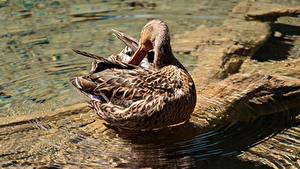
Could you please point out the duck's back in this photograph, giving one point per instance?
(124, 95)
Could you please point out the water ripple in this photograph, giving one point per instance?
(188, 145)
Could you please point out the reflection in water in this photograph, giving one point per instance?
(184, 146)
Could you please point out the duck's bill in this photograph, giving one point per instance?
(138, 56)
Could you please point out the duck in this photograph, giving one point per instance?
(131, 97)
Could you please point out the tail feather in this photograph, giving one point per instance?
(126, 39)
(90, 55)
(103, 63)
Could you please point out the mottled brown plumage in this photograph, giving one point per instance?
(131, 97)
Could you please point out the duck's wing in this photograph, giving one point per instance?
(124, 97)
(129, 41)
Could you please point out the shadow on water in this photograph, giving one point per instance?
(278, 47)
(184, 146)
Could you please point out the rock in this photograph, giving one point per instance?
(222, 51)
(260, 63)
(34, 40)
(139, 4)
(60, 113)
(264, 11)
(136, 4)
(215, 47)
(279, 151)
(90, 10)
(290, 67)
(245, 97)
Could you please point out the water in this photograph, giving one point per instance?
(63, 142)
(36, 61)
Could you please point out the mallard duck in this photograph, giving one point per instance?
(128, 96)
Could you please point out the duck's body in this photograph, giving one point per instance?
(130, 97)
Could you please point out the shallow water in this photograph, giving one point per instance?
(36, 60)
(71, 144)
(36, 38)
(36, 63)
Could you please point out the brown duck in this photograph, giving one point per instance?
(128, 96)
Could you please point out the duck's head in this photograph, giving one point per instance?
(155, 36)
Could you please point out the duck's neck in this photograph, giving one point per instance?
(163, 56)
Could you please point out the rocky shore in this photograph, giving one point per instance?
(247, 68)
